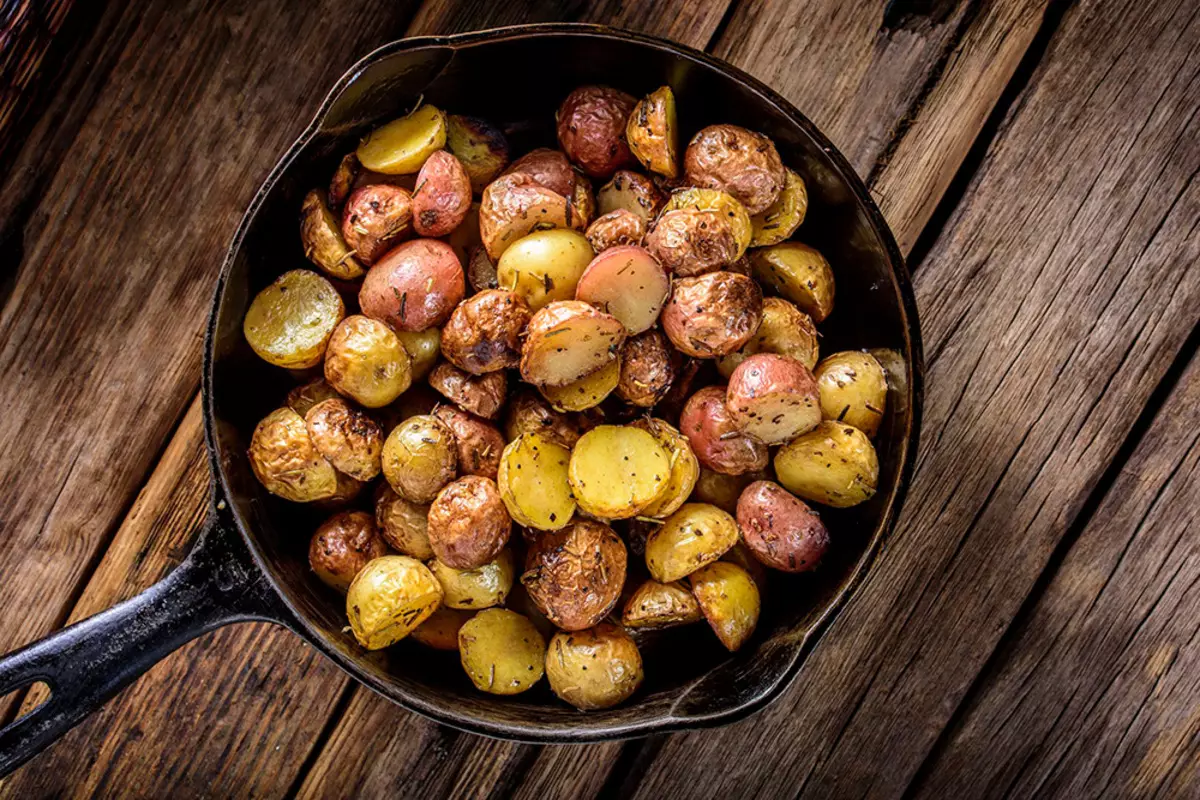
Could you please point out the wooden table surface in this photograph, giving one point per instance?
(1031, 628)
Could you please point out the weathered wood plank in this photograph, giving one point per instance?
(1056, 298)
(28, 31)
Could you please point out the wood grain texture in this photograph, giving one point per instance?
(28, 31)
(1097, 691)
(1056, 298)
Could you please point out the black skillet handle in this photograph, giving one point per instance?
(86, 664)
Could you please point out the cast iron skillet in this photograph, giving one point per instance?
(249, 562)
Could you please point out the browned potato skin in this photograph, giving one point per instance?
(712, 315)
(376, 219)
(479, 443)
(342, 182)
(529, 412)
(648, 366)
(481, 272)
(479, 145)
(402, 524)
(743, 163)
(342, 546)
(346, 437)
(716, 439)
(691, 241)
(515, 205)
(323, 242)
(484, 332)
(660, 605)
(420, 458)
(614, 229)
(633, 192)
(443, 195)
(440, 630)
(575, 575)
(287, 463)
(482, 395)
(367, 361)
(468, 523)
(415, 286)
(550, 168)
(591, 129)
(780, 529)
(651, 132)
(583, 202)
(307, 395)
(616, 667)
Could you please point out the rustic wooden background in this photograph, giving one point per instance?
(1031, 628)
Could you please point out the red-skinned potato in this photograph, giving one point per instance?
(780, 529)
(342, 546)
(479, 443)
(468, 523)
(591, 129)
(633, 192)
(375, 220)
(712, 315)
(567, 340)
(482, 395)
(616, 228)
(743, 163)
(415, 286)
(550, 168)
(715, 437)
(443, 195)
(515, 205)
(628, 283)
(692, 241)
(484, 332)
(773, 398)
(648, 366)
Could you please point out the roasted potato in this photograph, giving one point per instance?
(376, 219)
(743, 163)
(481, 272)
(660, 605)
(307, 395)
(533, 481)
(287, 463)
(685, 468)
(567, 340)
(689, 241)
(712, 315)
(443, 195)
(419, 458)
(415, 286)
(484, 332)
(479, 145)
(513, 206)
(616, 471)
(440, 629)
(482, 395)
(423, 348)
(419, 399)
(342, 182)
(773, 398)
(544, 266)
(346, 438)
(468, 523)
(550, 168)
(367, 362)
(781, 530)
(715, 437)
(502, 652)
(632, 192)
(615, 667)
(583, 203)
(465, 239)
(729, 599)
(289, 323)
(780, 221)
(652, 134)
(853, 388)
(528, 413)
(648, 366)
(575, 575)
(347, 491)
(482, 587)
(799, 274)
(342, 546)
(479, 444)
(835, 465)
(695, 535)
(614, 229)
(323, 241)
(401, 146)
(403, 524)
(389, 597)
(587, 392)
(785, 330)
(720, 202)
(721, 490)
(628, 283)
(591, 129)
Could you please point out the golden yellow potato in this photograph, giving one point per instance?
(482, 587)
(403, 524)
(685, 467)
(419, 458)
(587, 392)
(568, 340)
(322, 238)
(286, 461)
(798, 273)
(479, 145)
(721, 202)
(401, 146)
(617, 471)
(440, 629)
(660, 605)
(367, 362)
(729, 598)
(853, 389)
(695, 535)
(529, 413)
(632, 192)
(595, 668)
(289, 323)
(307, 395)
(652, 133)
(785, 330)
(544, 266)
(389, 597)
(501, 651)
(346, 437)
(533, 482)
(835, 464)
(423, 348)
(780, 221)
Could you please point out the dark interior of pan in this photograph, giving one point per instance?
(517, 78)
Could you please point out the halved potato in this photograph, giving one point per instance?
(513, 206)
(729, 598)
(652, 135)
(617, 471)
(685, 467)
(479, 145)
(780, 221)
(544, 266)
(853, 389)
(289, 323)
(534, 483)
(695, 535)
(784, 330)
(773, 398)
(482, 587)
(401, 146)
(389, 597)
(835, 464)
(628, 283)
(567, 340)
(501, 651)
(721, 202)
(633, 192)
(799, 273)
(587, 392)
(322, 238)
(660, 605)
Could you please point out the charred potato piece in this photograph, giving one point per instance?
(468, 524)
(375, 220)
(729, 599)
(322, 239)
(723, 204)
(401, 146)
(689, 241)
(660, 605)
(289, 323)
(648, 365)
(587, 392)
(550, 168)
(481, 272)
(342, 182)
(534, 484)
(617, 471)
(614, 229)
(482, 587)
(721, 490)
(743, 163)
(591, 129)
(501, 651)
(695, 535)
(632, 192)
(780, 221)
(773, 398)
(403, 524)
(575, 575)
(346, 438)
(835, 465)
(652, 132)
(440, 629)
(567, 340)
(342, 546)
(781, 530)
(482, 395)
(423, 348)
(367, 362)
(484, 332)
(853, 388)
(419, 458)
(307, 395)
(528, 413)
(479, 444)
(596, 668)
(516, 205)
(716, 439)
(414, 287)
(798, 273)
(443, 195)
(544, 266)
(685, 467)
(712, 315)
(286, 462)
(479, 145)
(785, 330)
(389, 597)
(628, 283)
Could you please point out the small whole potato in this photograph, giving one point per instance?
(442, 197)
(660, 605)
(440, 629)
(596, 668)
(712, 315)
(323, 241)
(423, 348)
(501, 651)
(289, 323)
(479, 145)
(342, 546)
(415, 286)
(780, 221)
(773, 398)
(482, 587)
(346, 438)
(695, 535)
(716, 439)
(853, 388)
(376, 219)
(513, 206)
(648, 365)
(743, 163)
(798, 273)
(468, 523)
(544, 266)
(484, 332)
(834, 464)
(528, 413)
(575, 575)
(419, 458)
(550, 168)
(403, 524)
(389, 597)
(616, 228)
(784, 330)
(652, 133)
(401, 146)
(781, 530)
(479, 444)
(534, 483)
(632, 192)
(729, 599)
(721, 203)
(567, 340)
(482, 395)
(367, 362)
(591, 129)
(286, 462)
(307, 395)
(692, 241)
